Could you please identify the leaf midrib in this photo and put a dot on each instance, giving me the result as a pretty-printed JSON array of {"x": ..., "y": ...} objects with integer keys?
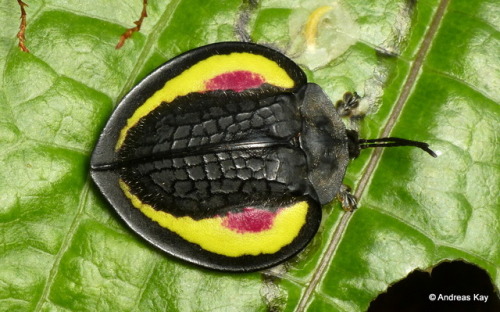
[{"x": 375, "y": 157}]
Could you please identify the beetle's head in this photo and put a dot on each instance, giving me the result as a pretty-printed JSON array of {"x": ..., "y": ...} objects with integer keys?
[{"x": 323, "y": 140}]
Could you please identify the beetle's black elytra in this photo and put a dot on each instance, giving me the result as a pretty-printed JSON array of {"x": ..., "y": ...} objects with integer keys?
[{"x": 224, "y": 155}]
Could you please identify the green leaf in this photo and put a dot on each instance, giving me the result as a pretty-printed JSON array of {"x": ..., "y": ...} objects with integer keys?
[{"x": 427, "y": 70}]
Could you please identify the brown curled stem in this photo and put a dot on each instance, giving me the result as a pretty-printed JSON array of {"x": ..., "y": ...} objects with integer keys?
[
  {"x": 128, "y": 33},
  {"x": 22, "y": 28}
]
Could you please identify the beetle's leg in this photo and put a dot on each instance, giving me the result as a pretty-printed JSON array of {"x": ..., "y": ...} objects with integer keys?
[
  {"x": 349, "y": 102},
  {"x": 348, "y": 201}
]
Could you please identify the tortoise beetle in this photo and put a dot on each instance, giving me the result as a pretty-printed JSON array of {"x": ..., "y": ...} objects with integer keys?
[{"x": 224, "y": 155}]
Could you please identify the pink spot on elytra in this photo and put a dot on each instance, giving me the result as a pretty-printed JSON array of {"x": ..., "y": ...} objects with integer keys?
[
  {"x": 238, "y": 81},
  {"x": 250, "y": 220}
]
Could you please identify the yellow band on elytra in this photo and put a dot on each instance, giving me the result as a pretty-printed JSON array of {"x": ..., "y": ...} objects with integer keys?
[
  {"x": 212, "y": 236},
  {"x": 193, "y": 80}
]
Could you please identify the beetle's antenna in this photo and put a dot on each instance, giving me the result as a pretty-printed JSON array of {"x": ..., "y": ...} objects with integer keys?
[{"x": 390, "y": 142}]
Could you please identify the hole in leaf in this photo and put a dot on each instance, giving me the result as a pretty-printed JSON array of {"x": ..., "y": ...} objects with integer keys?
[{"x": 449, "y": 286}]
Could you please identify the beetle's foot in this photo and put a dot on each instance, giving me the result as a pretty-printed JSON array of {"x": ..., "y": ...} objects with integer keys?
[
  {"x": 348, "y": 200},
  {"x": 349, "y": 102}
]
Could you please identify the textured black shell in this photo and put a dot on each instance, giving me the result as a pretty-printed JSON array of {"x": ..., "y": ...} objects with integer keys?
[{"x": 208, "y": 153}]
